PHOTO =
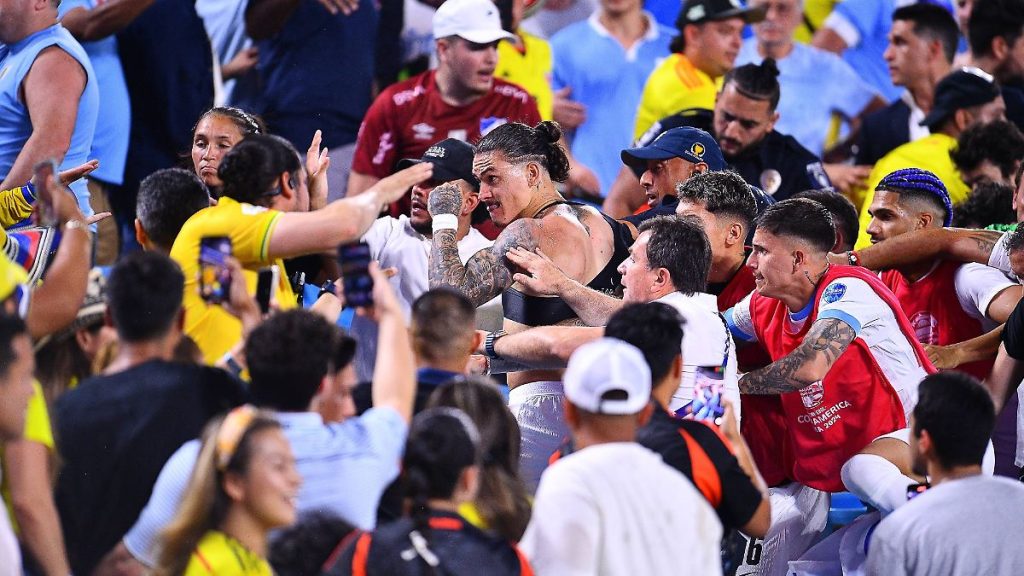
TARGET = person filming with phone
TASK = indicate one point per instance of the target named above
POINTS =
(265, 214)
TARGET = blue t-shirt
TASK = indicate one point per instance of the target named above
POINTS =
(814, 84)
(317, 73)
(110, 142)
(15, 125)
(609, 81)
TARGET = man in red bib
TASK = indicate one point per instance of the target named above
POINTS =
(845, 361)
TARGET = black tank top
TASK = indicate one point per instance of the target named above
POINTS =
(545, 310)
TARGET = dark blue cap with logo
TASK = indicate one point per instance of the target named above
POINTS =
(691, 144)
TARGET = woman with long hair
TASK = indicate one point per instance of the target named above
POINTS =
(502, 504)
(244, 485)
(440, 473)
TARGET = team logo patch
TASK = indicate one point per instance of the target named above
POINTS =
(812, 395)
(490, 123)
(697, 149)
(423, 131)
(816, 172)
(695, 13)
(833, 293)
(434, 152)
(926, 328)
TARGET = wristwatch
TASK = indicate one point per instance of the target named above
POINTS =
(853, 258)
(489, 343)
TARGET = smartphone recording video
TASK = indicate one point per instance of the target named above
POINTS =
(354, 260)
(214, 274)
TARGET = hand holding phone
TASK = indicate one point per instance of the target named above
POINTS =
(214, 273)
(708, 388)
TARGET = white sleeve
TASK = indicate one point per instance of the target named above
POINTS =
(563, 535)
(377, 235)
(739, 321)
(976, 286)
(1000, 256)
(168, 492)
(845, 29)
(852, 301)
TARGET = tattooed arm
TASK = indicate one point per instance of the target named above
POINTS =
(961, 244)
(487, 273)
(827, 339)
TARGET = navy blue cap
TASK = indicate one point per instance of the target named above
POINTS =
(692, 144)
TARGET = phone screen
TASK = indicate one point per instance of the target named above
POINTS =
(708, 387)
(46, 214)
(214, 274)
(354, 260)
(266, 287)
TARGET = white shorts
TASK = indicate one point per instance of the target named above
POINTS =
(538, 408)
(799, 516)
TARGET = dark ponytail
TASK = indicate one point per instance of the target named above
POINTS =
(442, 443)
(521, 143)
(757, 81)
(502, 502)
(250, 170)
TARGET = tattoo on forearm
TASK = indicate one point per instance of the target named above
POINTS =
(827, 340)
(486, 274)
(985, 240)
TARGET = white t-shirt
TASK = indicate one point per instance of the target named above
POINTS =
(854, 302)
(706, 342)
(394, 243)
(1000, 256)
(976, 286)
(614, 509)
(962, 527)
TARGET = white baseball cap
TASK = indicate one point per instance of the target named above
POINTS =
(474, 20)
(603, 366)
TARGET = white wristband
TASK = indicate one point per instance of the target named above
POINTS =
(445, 222)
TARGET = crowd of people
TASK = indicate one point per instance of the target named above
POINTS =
(575, 287)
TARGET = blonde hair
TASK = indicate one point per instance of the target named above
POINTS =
(206, 503)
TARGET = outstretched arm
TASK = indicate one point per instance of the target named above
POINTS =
(962, 244)
(827, 339)
(487, 273)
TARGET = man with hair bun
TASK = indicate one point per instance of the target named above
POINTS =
(518, 166)
(744, 124)
(816, 84)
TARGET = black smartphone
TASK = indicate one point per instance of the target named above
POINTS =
(266, 286)
(46, 213)
(214, 274)
(354, 260)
